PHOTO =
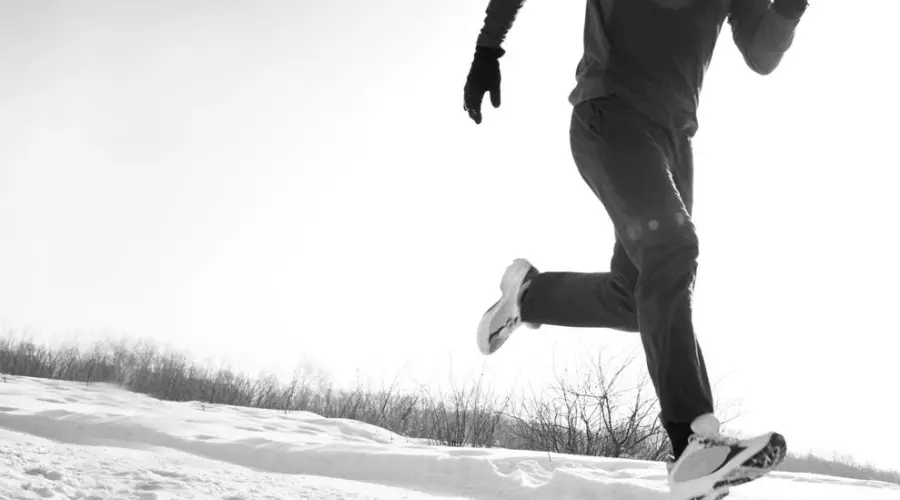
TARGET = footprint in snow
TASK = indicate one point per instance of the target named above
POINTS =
(49, 474)
(169, 474)
(43, 491)
(150, 486)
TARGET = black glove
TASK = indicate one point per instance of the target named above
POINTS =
(790, 9)
(484, 76)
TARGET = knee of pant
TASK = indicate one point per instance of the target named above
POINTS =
(674, 264)
(663, 249)
(666, 270)
(673, 231)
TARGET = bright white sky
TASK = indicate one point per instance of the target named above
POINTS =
(264, 182)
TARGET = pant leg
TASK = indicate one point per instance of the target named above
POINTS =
(586, 300)
(682, 169)
(632, 167)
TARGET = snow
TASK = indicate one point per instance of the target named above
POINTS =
(61, 440)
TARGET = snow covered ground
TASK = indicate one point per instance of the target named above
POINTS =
(64, 440)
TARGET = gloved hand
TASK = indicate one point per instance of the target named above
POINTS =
(790, 9)
(484, 76)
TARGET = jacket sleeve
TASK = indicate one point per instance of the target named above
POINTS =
(500, 17)
(761, 33)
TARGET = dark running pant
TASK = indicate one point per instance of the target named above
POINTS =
(643, 175)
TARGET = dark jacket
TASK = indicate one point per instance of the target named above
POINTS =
(654, 53)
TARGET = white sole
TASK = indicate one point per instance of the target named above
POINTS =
(510, 285)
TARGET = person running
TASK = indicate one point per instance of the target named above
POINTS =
(634, 115)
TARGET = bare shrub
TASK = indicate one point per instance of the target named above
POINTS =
(470, 415)
(593, 416)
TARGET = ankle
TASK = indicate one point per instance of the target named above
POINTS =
(679, 434)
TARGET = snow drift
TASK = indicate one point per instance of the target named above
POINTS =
(65, 440)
